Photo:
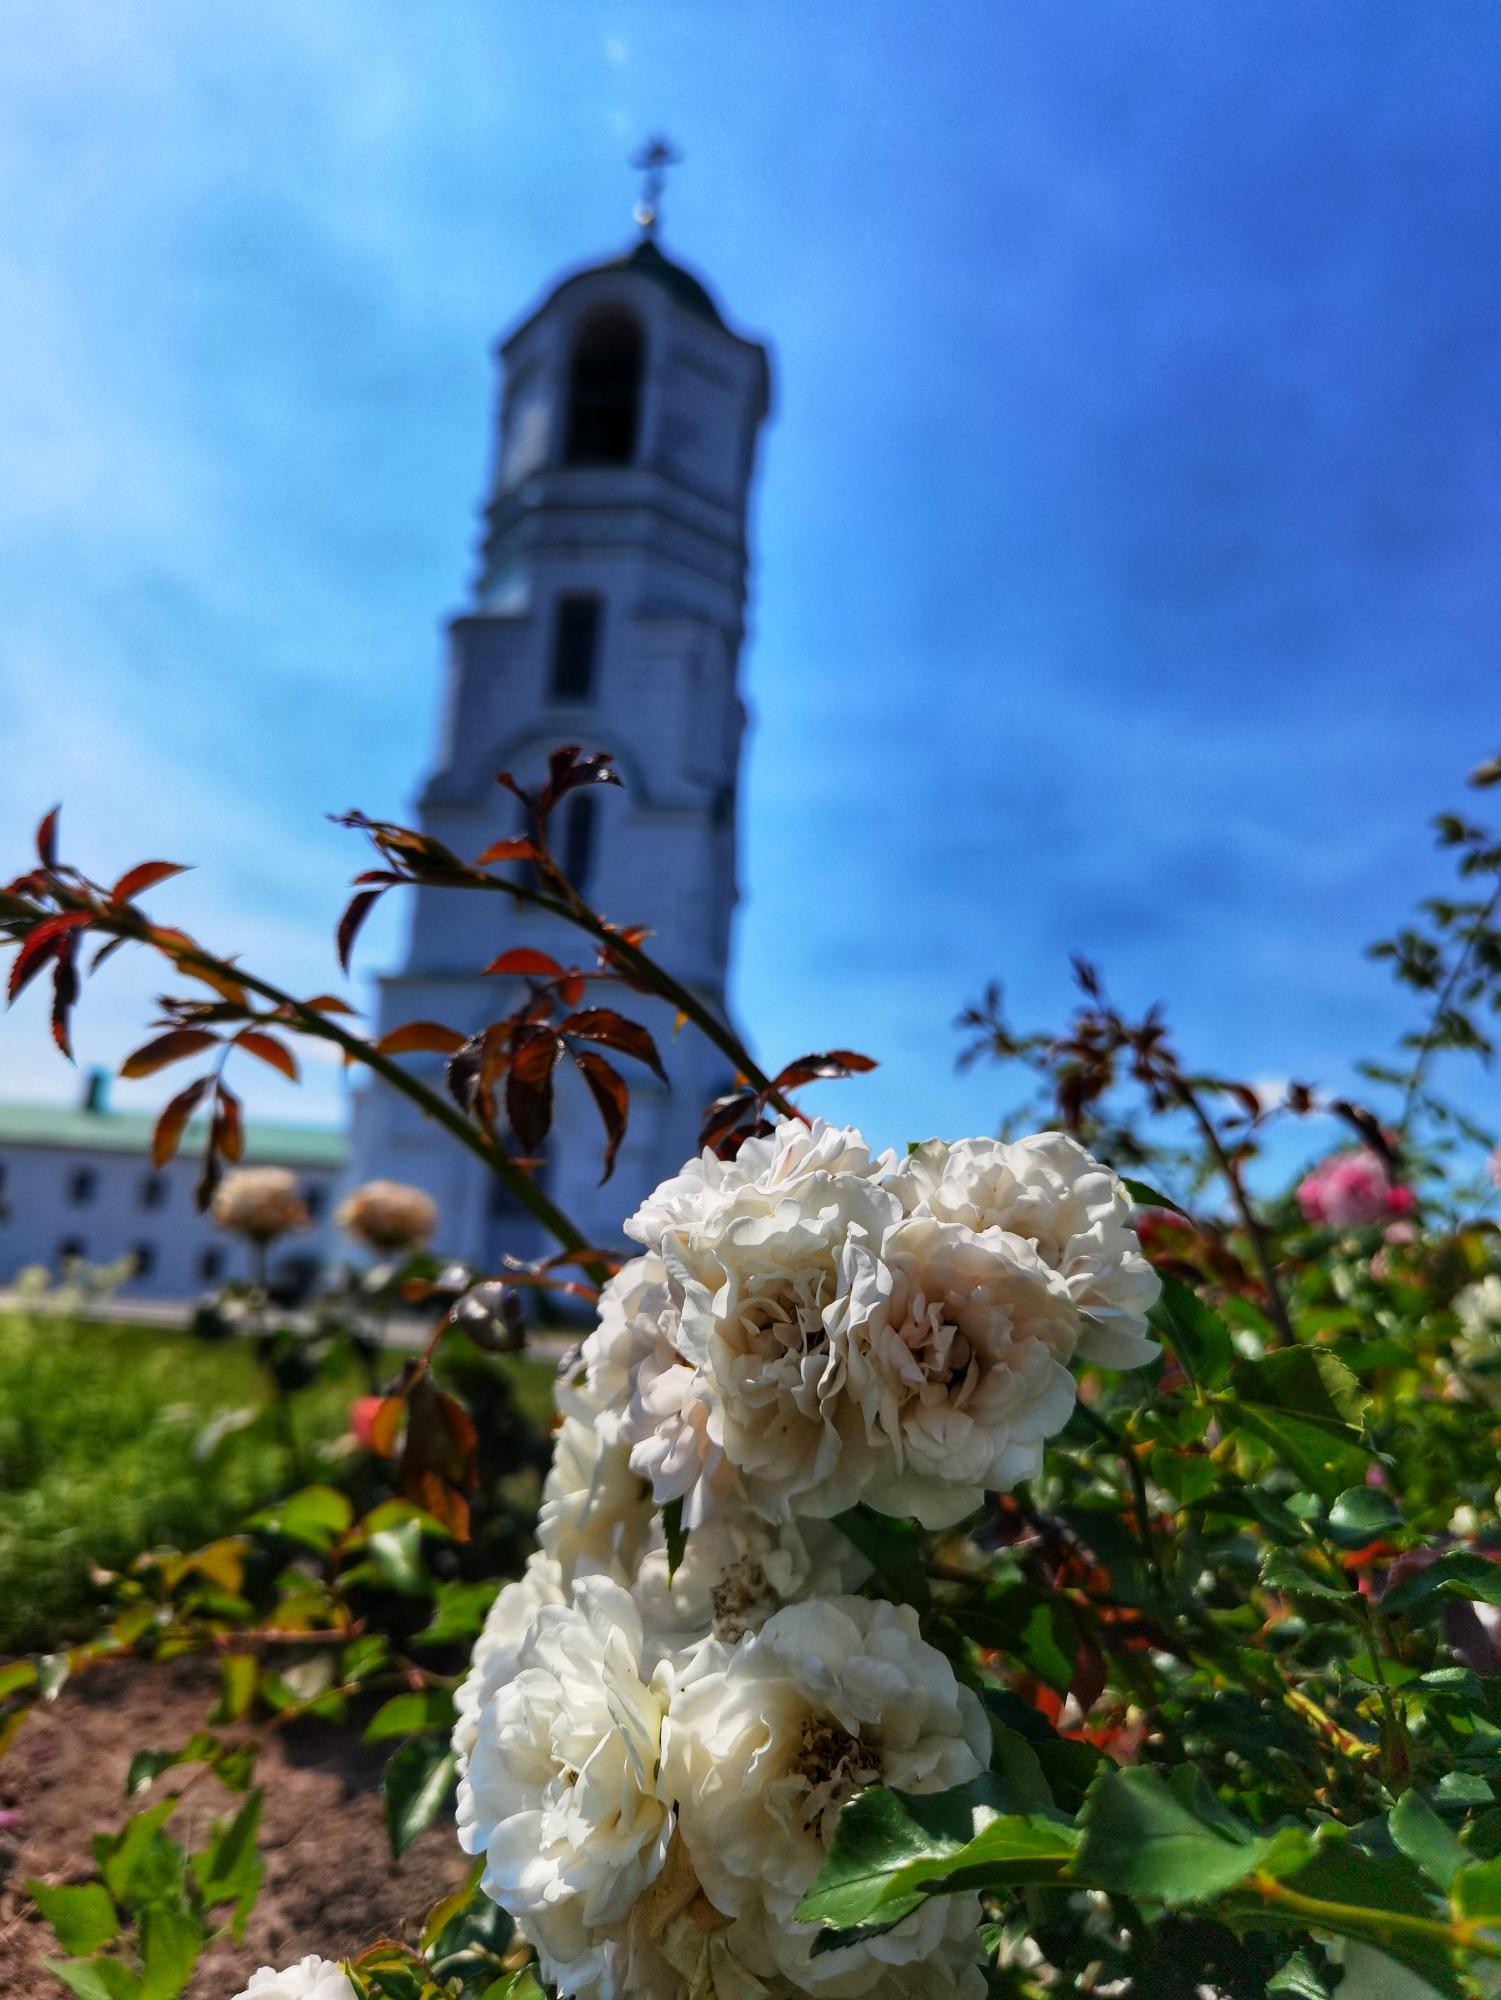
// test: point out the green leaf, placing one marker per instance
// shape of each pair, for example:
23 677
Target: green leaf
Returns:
1327 1456
1362 1514
83 1916
1306 1381
1281 1571
317 1516
147 1765
1148 1197
1195 1333
230 1869
397 1555
171 1942
238 1674
124 1859
882 1836
1187 1476
95 1978
1422 1836
417 1782
1297 1980
20 1674
676 1537
1458 1574
1360 1891
1475 1892
411 1715
1035 1628
1171 1842
520 1985
458 1613
895 1549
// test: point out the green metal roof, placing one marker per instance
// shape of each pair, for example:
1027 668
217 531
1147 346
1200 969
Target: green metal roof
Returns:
130 1132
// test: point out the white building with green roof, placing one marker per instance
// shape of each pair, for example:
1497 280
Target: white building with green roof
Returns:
76 1181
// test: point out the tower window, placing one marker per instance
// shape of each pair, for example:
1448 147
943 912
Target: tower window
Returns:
81 1184
210 1266
604 392
145 1260
575 646
153 1190
578 839
312 1201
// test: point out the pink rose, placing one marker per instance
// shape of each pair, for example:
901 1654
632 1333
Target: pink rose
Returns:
1351 1191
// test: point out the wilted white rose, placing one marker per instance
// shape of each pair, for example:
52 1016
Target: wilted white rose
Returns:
389 1216
769 1739
955 1343
311 1978
563 1794
1075 1212
498 1647
743 1396
260 1202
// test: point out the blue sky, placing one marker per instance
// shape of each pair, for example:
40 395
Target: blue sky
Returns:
1127 561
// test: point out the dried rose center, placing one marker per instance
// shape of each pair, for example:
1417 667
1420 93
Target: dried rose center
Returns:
742 1590
835 1765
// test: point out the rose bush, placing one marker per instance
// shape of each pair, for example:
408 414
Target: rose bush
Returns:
970 1569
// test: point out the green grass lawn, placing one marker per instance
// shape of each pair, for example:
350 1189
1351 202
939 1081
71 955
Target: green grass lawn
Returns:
106 1448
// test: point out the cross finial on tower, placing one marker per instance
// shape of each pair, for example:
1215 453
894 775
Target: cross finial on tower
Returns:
652 162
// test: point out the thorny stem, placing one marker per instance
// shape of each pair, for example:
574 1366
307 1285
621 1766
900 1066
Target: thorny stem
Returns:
1127 1458
1260 1247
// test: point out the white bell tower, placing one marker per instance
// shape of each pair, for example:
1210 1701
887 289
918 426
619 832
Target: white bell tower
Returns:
608 611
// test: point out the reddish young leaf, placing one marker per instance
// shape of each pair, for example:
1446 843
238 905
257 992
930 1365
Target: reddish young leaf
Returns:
169 1126
603 1024
184 954
385 1425
44 943
421 1037
46 839
270 1050
327 1003
146 876
169 1048
567 772
526 963
817 1069
64 993
227 1139
612 1100
506 850
725 1114
106 950
529 1085
572 988
349 924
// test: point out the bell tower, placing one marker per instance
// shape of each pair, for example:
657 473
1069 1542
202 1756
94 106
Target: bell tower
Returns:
608 610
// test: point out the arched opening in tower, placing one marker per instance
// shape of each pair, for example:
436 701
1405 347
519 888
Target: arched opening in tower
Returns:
604 391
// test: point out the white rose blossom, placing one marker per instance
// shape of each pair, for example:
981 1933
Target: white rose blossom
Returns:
1073 1210
311 1978
767 1741
955 1343
498 1647
563 1793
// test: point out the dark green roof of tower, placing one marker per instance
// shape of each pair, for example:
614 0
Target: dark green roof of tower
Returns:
647 261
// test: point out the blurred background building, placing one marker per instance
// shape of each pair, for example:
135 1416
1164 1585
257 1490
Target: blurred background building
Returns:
608 611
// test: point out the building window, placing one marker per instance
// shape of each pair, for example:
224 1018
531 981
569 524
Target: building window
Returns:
153 1190
71 1250
604 392
575 647
312 1201
210 1266
578 838
82 1182
145 1260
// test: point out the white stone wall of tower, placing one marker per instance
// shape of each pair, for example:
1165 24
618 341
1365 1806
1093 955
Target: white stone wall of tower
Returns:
661 543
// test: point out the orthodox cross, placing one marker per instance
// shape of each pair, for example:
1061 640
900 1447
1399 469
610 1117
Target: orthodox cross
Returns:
652 162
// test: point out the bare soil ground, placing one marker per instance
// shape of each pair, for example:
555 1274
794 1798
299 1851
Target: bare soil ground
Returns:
330 1885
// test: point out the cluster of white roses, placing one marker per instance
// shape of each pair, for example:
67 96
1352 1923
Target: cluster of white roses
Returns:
653 1764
